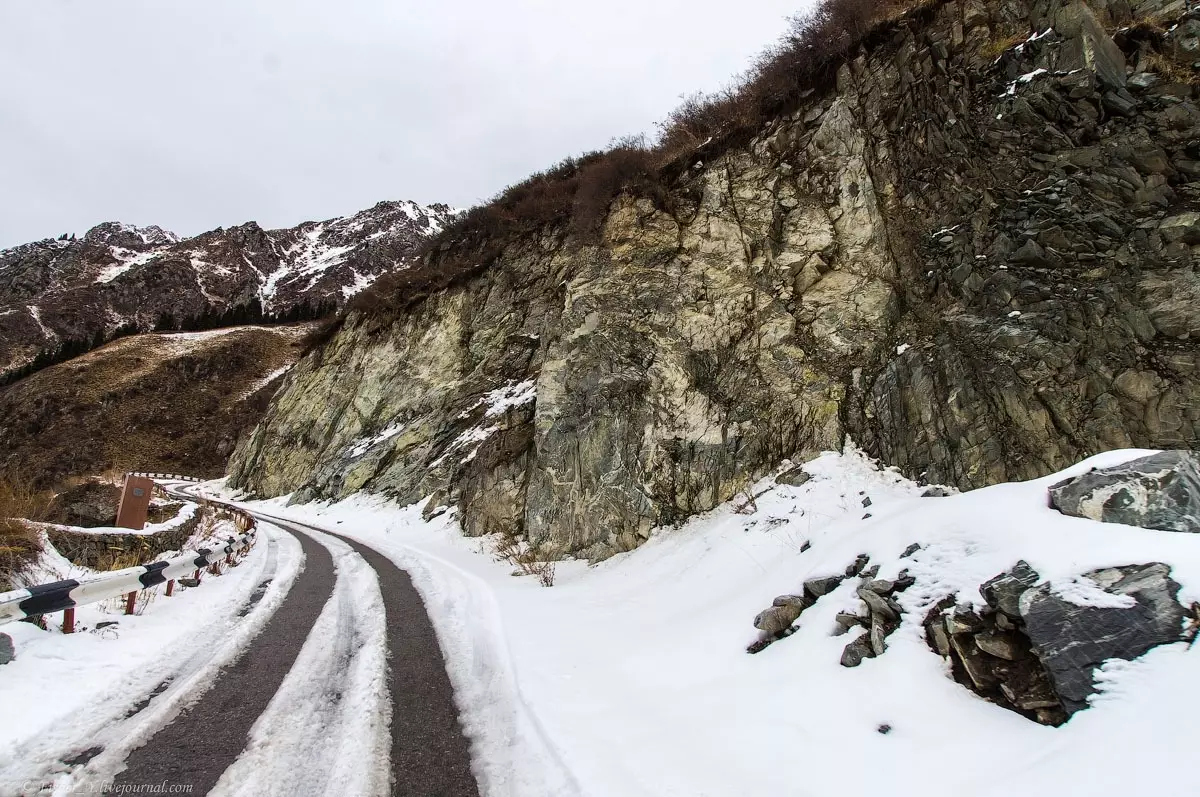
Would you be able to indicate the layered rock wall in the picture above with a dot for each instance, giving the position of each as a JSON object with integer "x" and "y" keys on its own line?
{"x": 972, "y": 254}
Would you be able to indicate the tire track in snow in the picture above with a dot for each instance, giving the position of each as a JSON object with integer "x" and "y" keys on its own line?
{"x": 430, "y": 754}
{"x": 513, "y": 753}
{"x": 325, "y": 729}
{"x": 207, "y": 737}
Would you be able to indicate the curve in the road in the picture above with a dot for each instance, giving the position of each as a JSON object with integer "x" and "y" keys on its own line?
{"x": 430, "y": 755}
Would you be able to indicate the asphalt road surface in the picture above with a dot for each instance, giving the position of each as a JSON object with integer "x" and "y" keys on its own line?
{"x": 430, "y": 756}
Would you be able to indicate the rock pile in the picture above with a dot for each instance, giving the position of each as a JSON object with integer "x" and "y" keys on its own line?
{"x": 1035, "y": 647}
{"x": 881, "y": 618}
{"x": 775, "y": 622}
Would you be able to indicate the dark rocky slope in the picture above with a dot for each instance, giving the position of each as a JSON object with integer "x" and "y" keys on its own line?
{"x": 971, "y": 254}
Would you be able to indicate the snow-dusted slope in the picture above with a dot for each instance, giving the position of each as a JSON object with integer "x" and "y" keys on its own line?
{"x": 631, "y": 677}
{"x": 58, "y": 290}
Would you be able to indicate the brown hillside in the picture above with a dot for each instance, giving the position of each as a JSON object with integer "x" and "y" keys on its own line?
{"x": 173, "y": 402}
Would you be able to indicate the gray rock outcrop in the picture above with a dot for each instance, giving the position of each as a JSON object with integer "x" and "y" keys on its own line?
{"x": 1161, "y": 491}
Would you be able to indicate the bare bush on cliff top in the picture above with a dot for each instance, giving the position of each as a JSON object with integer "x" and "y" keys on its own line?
{"x": 577, "y": 193}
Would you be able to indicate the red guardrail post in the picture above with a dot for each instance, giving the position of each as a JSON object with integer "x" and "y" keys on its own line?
{"x": 130, "y": 602}
{"x": 170, "y": 588}
{"x": 68, "y": 620}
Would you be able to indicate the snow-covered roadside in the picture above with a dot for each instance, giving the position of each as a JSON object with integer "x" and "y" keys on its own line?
{"x": 64, "y": 695}
{"x": 631, "y": 677}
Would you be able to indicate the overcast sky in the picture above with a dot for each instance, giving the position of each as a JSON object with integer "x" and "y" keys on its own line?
{"x": 194, "y": 114}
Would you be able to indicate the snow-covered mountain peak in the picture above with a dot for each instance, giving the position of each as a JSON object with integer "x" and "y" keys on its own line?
{"x": 118, "y": 275}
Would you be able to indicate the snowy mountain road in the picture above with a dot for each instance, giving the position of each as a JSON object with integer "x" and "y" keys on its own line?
{"x": 246, "y": 713}
{"x": 207, "y": 738}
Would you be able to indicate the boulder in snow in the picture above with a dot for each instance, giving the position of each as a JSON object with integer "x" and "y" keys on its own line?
{"x": 7, "y": 652}
{"x": 779, "y": 618}
{"x": 1161, "y": 491}
{"x": 1116, "y": 613}
{"x": 794, "y": 477}
{"x": 858, "y": 650}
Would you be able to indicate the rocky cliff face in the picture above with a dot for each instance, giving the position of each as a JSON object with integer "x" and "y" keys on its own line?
{"x": 117, "y": 276}
{"x": 972, "y": 255}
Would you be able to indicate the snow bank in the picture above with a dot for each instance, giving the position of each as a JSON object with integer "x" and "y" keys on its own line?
{"x": 630, "y": 677}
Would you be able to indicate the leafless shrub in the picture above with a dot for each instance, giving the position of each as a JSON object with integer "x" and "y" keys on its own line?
{"x": 525, "y": 559}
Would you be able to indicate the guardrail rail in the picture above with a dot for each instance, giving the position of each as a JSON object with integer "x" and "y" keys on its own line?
{"x": 64, "y": 596}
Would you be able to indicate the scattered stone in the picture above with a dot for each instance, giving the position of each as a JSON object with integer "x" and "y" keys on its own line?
{"x": 776, "y": 620}
{"x": 845, "y": 621}
{"x": 1072, "y": 640}
{"x": 1143, "y": 80}
{"x": 816, "y": 587}
{"x": 106, "y": 624}
{"x": 1030, "y": 694}
{"x": 1120, "y": 102}
{"x": 910, "y": 550}
{"x": 937, "y": 492}
{"x": 1031, "y": 254}
{"x": 796, "y": 601}
{"x": 866, "y": 516}
{"x": 884, "y": 729}
{"x": 856, "y": 651}
{"x": 7, "y": 651}
{"x": 962, "y": 621}
{"x": 793, "y": 477}
{"x": 870, "y": 572}
{"x": 939, "y": 640}
{"x": 1088, "y": 46}
{"x": 877, "y": 605}
{"x": 881, "y": 586}
{"x": 866, "y": 502}
{"x": 1003, "y": 592}
{"x": 1002, "y": 646}
{"x": 857, "y": 566}
{"x": 878, "y": 634}
{"x": 188, "y": 581}
{"x": 1161, "y": 491}
{"x": 973, "y": 662}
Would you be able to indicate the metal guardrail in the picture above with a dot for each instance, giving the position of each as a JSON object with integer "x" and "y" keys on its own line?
{"x": 64, "y": 596}
{"x": 172, "y": 476}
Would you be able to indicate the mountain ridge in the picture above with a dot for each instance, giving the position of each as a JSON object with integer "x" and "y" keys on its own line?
{"x": 62, "y": 296}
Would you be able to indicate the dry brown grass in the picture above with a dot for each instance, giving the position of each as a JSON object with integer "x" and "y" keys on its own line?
{"x": 997, "y": 47}
{"x": 1172, "y": 69}
{"x": 20, "y": 544}
{"x": 149, "y": 402}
